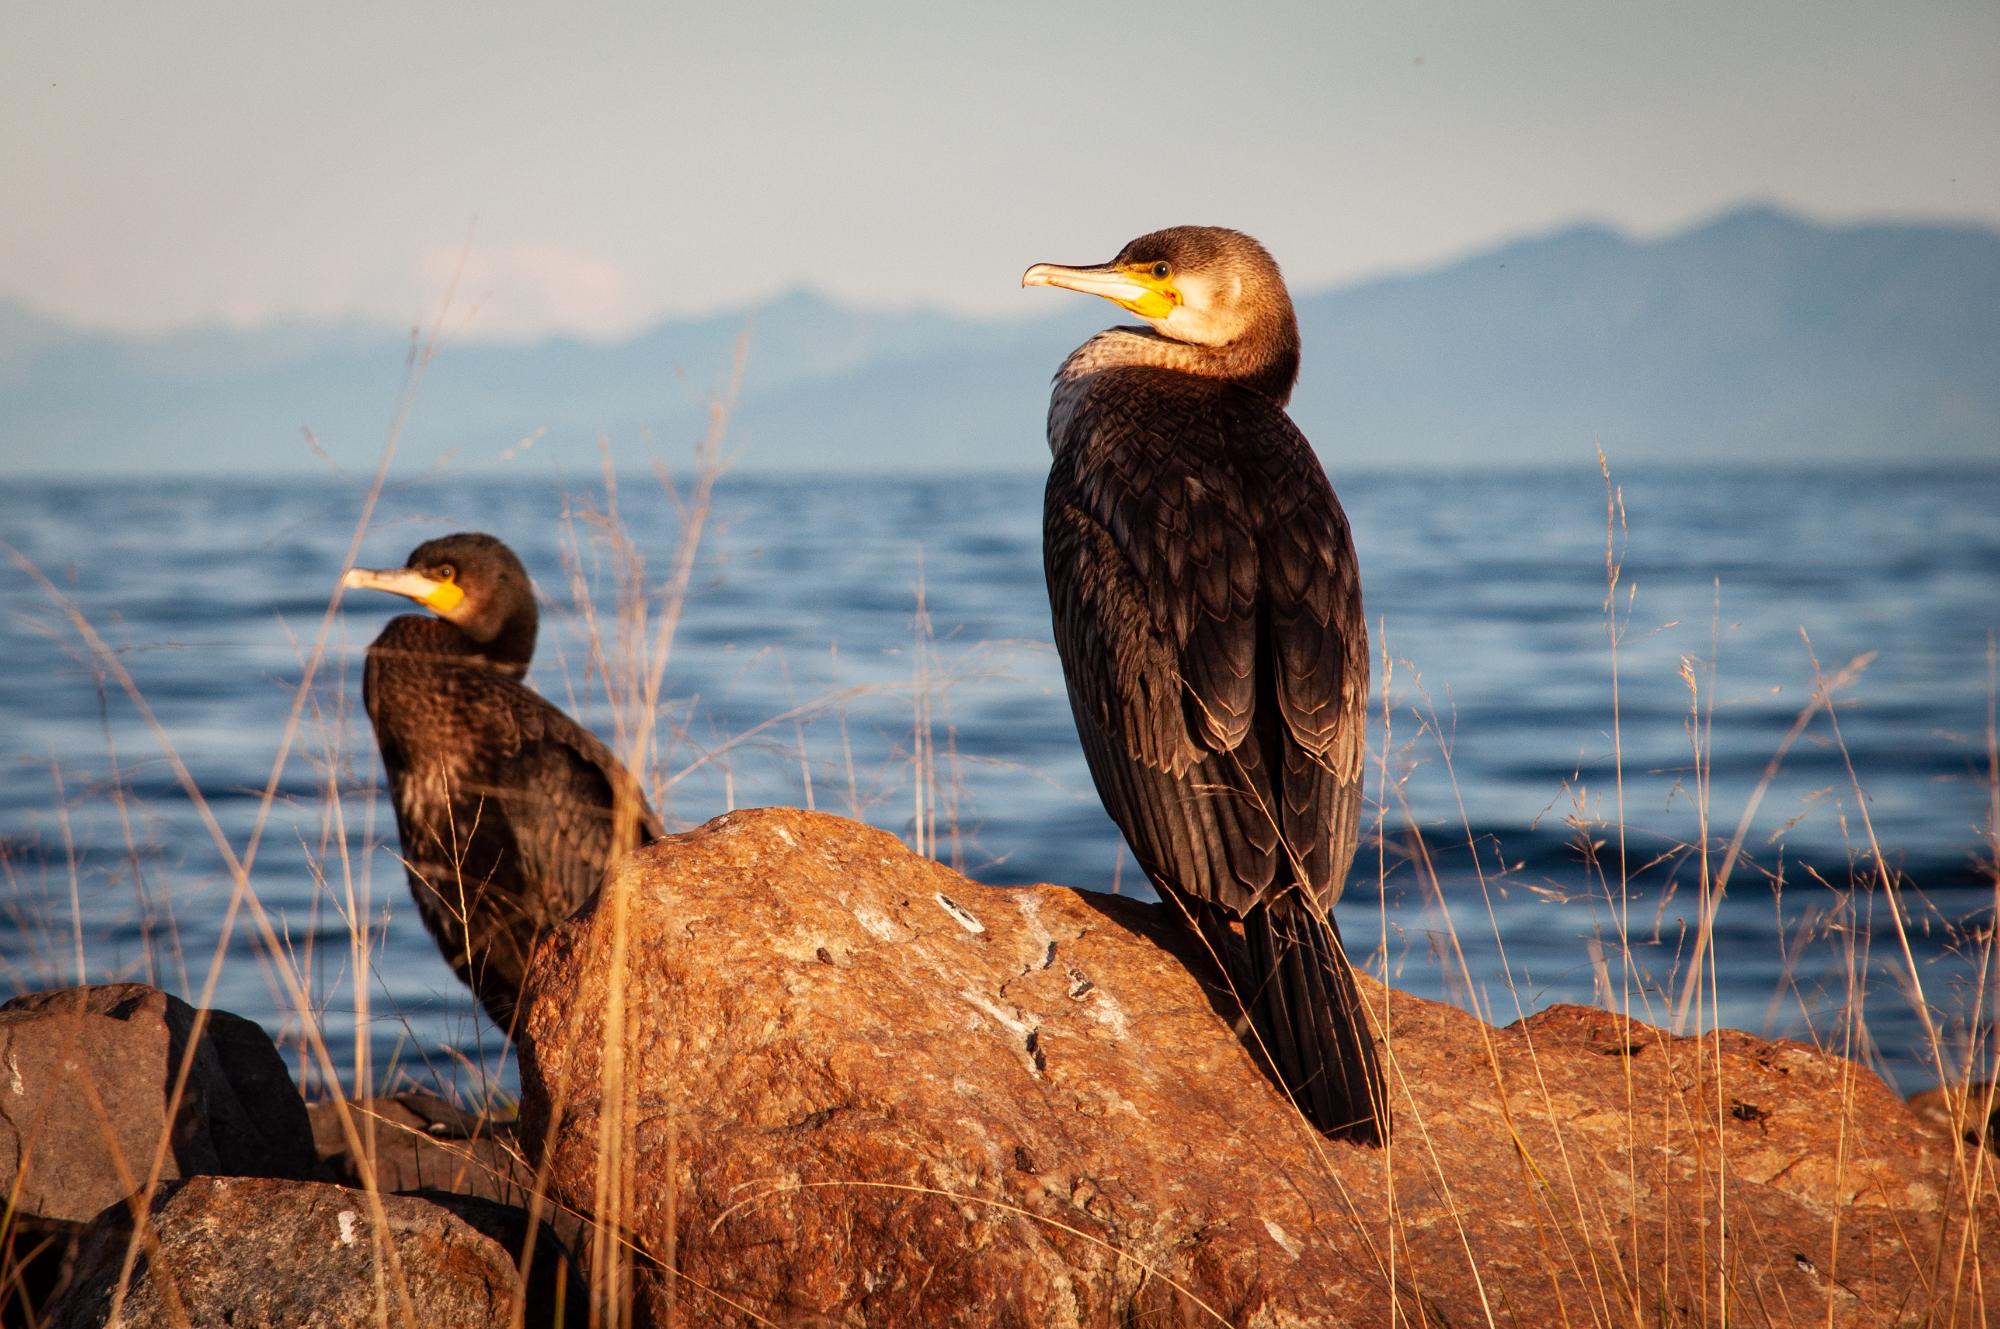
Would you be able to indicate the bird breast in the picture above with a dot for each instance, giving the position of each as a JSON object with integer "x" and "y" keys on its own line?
{"x": 1113, "y": 348}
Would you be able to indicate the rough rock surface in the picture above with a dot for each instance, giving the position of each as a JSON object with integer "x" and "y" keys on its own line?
{"x": 85, "y": 1078}
{"x": 859, "y": 1089}
{"x": 244, "y": 1252}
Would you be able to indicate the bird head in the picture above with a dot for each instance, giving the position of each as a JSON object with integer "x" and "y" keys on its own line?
{"x": 472, "y": 581}
{"x": 1203, "y": 285}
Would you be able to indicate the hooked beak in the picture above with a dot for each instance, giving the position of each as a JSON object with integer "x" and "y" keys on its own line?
{"x": 1145, "y": 295}
{"x": 440, "y": 596}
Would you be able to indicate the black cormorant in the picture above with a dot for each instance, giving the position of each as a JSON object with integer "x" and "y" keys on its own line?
{"x": 1208, "y": 614}
{"x": 509, "y": 810}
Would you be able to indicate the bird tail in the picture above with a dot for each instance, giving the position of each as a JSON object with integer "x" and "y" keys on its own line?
{"x": 1295, "y": 984}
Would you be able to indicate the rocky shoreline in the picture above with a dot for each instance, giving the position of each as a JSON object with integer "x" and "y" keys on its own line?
{"x": 260, "y": 1213}
{"x": 788, "y": 1072}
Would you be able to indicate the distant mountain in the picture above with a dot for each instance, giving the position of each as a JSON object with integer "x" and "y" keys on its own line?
{"x": 1758, "y": 336}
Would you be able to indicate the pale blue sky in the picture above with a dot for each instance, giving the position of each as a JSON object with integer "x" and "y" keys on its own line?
{"x": 175, "y": 164}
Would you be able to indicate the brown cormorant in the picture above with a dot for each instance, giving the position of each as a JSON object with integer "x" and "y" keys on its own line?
{"x": 509, "y": 810}
{"x": 1208, "y": 614}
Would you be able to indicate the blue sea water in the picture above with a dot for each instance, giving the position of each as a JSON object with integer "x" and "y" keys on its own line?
{"x": 839, "y": 635}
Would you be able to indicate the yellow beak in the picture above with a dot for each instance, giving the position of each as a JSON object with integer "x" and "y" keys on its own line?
{"x": 1135, "y": 289}
{"x": 441, "y": 596}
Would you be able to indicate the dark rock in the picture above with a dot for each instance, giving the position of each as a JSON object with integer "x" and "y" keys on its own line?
{"x": 1968, "y": 1112}
{"x": 241, "y": 1251}
{"x": 421, "y": 1143}
{"x": 418, "y": 1141}
{"x": 86, "y": 1076}
{"x": 33, "y": 1254}
{"x": 832, "y": 1099}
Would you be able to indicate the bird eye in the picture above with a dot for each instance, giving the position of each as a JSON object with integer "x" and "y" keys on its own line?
{"x": 1161, "y": 270}
{"x": 446, "y": 572}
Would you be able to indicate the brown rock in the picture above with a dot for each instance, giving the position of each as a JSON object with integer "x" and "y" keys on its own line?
{"x": 85, "y": 1078}
{"x": 860, "y": 1089}
{"x": 254, "y": 1252}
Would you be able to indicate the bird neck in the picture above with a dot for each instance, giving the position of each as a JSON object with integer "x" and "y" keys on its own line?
{"x": 1265, "y": 361}
{"x": 513, "y": 646}
{"x": 420, "y": 639}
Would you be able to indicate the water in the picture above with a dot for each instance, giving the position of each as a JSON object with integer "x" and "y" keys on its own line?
{"x": 1487, "y": 592}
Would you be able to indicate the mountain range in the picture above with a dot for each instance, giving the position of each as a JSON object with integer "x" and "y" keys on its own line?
{"x": 1758, "y": 336}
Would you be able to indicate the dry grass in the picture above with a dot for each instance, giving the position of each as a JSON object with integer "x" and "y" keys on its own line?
{"x": 1581, "y": 1236}
{"x": 629, "y": 615}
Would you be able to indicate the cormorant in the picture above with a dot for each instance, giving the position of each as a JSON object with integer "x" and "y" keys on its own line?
{"x": 509, "y": 810}
{"x": 1208, "y": 614}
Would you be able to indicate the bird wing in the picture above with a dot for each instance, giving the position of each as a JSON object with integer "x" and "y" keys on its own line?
{"x": 1207, "y": 611}
{"x": 508, "y": 811}
{"x": 571, "y": 805}
{"x": 1316, "y": 635}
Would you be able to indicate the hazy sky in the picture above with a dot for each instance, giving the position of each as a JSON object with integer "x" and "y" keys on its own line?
{"x": 596, "y": 166}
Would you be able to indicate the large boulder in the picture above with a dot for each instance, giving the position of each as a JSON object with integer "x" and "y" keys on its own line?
{"x": 262, "y": 1253}
{"x": 842, "y": 1084}
{"x": 86, "y": 1086}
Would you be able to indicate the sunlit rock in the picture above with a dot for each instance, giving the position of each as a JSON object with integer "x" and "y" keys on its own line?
{"x": 856, "y": 1085}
